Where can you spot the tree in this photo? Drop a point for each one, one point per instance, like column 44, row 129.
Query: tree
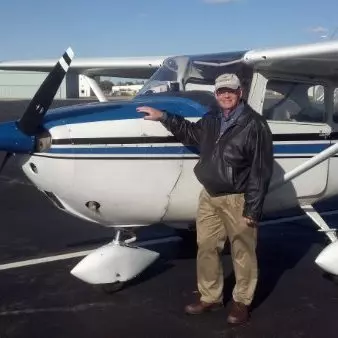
column 106, row 85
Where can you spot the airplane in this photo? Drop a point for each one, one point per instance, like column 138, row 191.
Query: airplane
column 104, row 163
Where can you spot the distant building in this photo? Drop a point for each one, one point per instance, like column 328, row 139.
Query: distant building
column 24, row 85
column 84, row 88
column 126, row 89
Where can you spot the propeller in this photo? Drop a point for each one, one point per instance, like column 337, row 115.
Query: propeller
column 21, row 134
column 31, row 120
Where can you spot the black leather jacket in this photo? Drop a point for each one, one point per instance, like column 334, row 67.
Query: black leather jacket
column 240, row 161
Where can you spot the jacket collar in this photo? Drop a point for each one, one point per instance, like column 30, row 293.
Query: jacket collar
column 244, row 116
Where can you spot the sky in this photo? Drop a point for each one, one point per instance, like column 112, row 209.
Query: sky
column 35, row 29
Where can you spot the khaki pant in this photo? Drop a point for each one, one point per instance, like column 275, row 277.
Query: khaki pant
column 217, row 219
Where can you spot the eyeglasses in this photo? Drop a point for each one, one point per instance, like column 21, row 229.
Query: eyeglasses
column 222, row 91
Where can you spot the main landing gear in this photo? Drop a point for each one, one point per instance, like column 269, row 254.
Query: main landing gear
column 328, row 257
column 114, row 263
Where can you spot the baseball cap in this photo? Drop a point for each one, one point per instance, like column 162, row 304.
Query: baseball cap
column 227, row 81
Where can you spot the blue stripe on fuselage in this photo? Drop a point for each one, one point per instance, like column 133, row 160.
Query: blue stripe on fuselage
column 123, row 150
column 299, row 148
column 170, row 150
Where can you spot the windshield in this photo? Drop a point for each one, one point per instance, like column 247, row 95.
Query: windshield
column 187, row 73
column 168, row 77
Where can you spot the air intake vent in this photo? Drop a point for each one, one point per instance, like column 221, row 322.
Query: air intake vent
column 54, row 199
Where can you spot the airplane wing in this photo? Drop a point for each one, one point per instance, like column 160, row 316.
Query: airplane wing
column 317, row 59
column 129, row 67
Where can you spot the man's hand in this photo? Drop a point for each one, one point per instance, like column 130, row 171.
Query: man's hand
column 250, row 222
column 151, row 113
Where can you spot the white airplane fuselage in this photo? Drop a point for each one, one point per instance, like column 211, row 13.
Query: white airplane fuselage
column 137, row 177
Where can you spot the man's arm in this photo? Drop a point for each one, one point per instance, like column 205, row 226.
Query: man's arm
column 187, row 132
column 261, row 171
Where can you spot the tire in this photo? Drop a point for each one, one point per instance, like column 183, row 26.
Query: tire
column 330, row 277
column 111, row 288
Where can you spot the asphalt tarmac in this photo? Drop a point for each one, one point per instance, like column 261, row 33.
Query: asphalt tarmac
column 293, row 299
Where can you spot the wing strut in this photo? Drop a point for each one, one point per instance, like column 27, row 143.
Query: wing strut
column 302, row 168
column 96, row 88
column 327, row 258
column 318, row 220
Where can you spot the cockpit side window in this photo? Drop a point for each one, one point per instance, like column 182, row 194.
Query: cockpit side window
column 294, row 102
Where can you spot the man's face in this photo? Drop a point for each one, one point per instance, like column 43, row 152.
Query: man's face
column 228, row 98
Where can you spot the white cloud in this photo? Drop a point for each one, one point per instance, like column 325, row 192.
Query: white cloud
column 318, row 29
column 218, row 1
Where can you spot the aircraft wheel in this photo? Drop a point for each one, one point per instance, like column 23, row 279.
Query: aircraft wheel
column 330, row 277
column 111, row 288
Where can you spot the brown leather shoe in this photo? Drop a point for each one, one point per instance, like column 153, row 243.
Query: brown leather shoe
column 239, row 313
column 202, row 307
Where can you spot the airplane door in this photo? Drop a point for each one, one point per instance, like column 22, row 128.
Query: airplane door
column 335, row 110
column 297, row 115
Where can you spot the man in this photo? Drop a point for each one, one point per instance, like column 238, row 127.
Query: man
column 235, row 168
